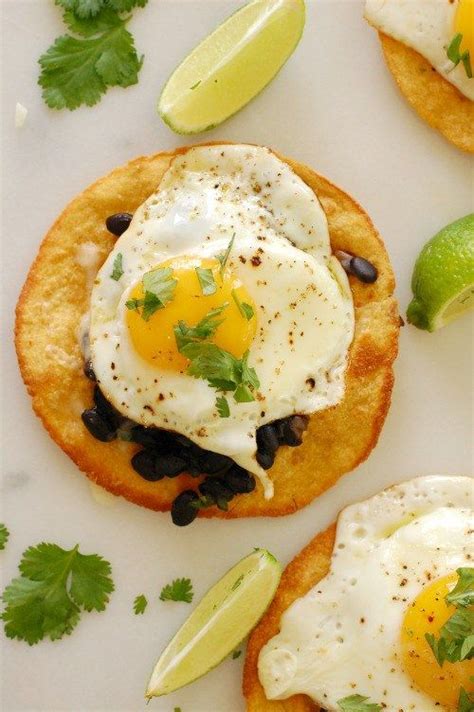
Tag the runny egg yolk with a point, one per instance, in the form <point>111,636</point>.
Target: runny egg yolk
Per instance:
<point>154,340</point>
<point>427,614</point>
<point>464,24</point>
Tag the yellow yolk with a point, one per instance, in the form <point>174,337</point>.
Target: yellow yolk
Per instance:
<point>427,614</point>
<point>464,24</point>
<point>154,340</point>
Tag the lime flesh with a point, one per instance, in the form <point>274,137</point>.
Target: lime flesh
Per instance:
<point>232,65</point>
<point>222,619</point>
<point>443,277</point>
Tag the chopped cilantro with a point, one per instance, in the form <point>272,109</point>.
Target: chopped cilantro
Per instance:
<point>222,407</point>
<point>357,703</point>
<point>46,600</point>
<point>117,270</point>
<point>456,637</point>
<point>236,654</point>
<point>159,286</point>
<point>466,701</point>
<point>245,309</point>
<point>4,534</point>
<point>206,281</point>
<point>455,55</point>
<point>222,257</point>
<point>204,329</point>
<point>139,604</point>
<point>179,590</point>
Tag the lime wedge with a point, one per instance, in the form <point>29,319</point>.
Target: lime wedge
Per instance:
<point>224,617</point>
<point>443,277</point>
<point>232,65</point>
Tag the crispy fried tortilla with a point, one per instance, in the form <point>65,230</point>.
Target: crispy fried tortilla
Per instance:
<point>436,100</point>
<point>56,295</point>
<point>310,566</point>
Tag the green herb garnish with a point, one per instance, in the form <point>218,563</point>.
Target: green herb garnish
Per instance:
<point>236,654</point>
<point>4,534</point>
<point>357,703</point>
<point>206,281</point>
<point>117,270</point>
<point>222,406</point>
<point>466,701</point>
<point>55,584</point>
<point>456,637</point>
<point>245,309</point>
<point>204,329</point>
<point>77,71</point>
<point>139,604</point>
<point>179,590</point>
<point>159,286</point>
<point>455,55</point>
<point>222,257</point>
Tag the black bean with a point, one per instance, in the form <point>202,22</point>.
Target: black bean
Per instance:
<point>267,439</point>
<point>364,270</point>
<point>215,488</point>
<point>118,223</point>
<point>184,509</point>
<point>106,409</point>
<point>265,459</point>
<point>212,463</point>
<point>154,437</point>
<point>98,426</point>
<point>290,430</point>
<point>89,371</point>
<point>239,480</point>
<point>170,465</point>
<point>143,462</point>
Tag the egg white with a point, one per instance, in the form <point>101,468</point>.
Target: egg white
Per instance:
<point>282,255</point>
<point>426,26</point>
<point>342,638</point>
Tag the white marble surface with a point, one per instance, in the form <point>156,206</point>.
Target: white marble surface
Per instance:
<point>334,106</point>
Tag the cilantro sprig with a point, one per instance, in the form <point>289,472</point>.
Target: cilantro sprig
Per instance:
<point>466,701</point>
<point>223,257</point>
<point>117,267</point>
<point>4,535</point>
<point>357,703</point>
<point>456,56</point>
<point>159,286</point>
<point>206,281</point>
<point>139,604</point>
<point>455,642</point>
<point>55,585</point>
<point>78,70</point>
<point>245,309</point>
<point>179,590</point>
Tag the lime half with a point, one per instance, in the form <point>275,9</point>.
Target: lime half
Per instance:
<point>226,614</point>
<point>232,65</point>
<point>443,277</point>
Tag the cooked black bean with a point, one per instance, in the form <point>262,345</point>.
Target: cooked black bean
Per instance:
<point>98,426</point>
<point>290,430</point>
<point>239,480</point>
<point>364,270</point>
<point>170,465</point>
<point>144,462</point>
<point>215,488</point>
<point>106,409</point>
<point>212,463</point>
<point>154,437</point>
<point>265,459</point>
<point>267,439</point>
<point>184,509</point>
<point>118,223</point>
<point>89,371</point>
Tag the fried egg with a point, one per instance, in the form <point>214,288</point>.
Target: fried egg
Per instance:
<point>240,217</point>
<point>429,27</point>
<point>361,630</point>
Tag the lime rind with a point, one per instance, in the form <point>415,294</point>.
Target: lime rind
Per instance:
<point>443,276</point>
<point>221,90</point>
<point>218,624</point>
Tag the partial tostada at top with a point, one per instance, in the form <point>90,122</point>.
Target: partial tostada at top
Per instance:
<point>211,331</point>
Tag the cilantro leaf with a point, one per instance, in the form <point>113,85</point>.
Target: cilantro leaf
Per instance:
<point>82,8</point>
<point>222,407</point>
<point>456,638</point>
<point>206,281</point>
<point>117,270</point>
<point>126,5</point>
<point>236,654</point>
<point>159,286</point>
<point>454,54</point>
<point>105,19</point>
<point>466,701</point>
<point>139,604</point>
<point>179,590</point>
<point>463,593</point>
<point>222,257</point>
<point>46,600</point>
<point>245,309</point>
<point>204,329</point>
<point>357,703</point>
<point>4,534</point>
<point>78,71</point>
